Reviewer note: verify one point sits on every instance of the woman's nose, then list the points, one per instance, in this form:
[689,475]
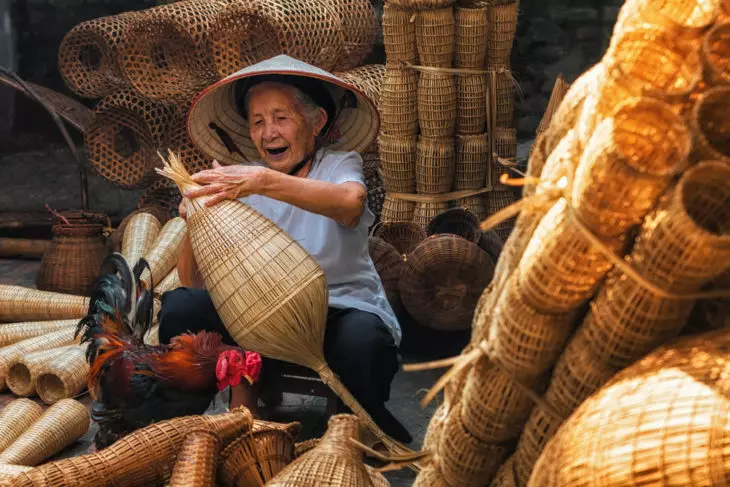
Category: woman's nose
[270,131]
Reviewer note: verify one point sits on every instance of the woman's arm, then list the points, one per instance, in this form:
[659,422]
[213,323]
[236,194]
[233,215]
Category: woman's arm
[187,269]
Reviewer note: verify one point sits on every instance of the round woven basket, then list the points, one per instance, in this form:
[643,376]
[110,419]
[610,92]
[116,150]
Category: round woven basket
[456,221]
[470,43]
[195,465]
[424,212]
[437,104]
[435,165]
[399,102]
[255,458]
[398,162]
[360,27]
[709,122]
[471,161]
[369,79]
[435,32]
[395,210]
[404,236]
[389,264]
[22,373]
[87,56]
[442,281]
[471,103]
[399,34]
[716,52]
[502,21]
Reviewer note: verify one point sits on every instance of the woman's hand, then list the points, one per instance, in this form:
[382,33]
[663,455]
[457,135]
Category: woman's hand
[228,182]
[182,208]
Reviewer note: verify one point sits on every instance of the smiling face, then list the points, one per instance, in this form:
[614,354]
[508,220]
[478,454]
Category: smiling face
[279,127]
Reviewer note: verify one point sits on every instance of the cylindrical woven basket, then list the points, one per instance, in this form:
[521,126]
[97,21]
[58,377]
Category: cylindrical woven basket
[87,56]
[476,204]
[11,333]
[124,136]
[162,257]
[437,104]
[139,235]
[537,432]
[404,236]
[435,165]
[23,373]
[497,200]
[472,161]
[398,162]
[196,463]
[715,53]
[456,221]
[15,418]
[18,303]
[424,212]
[709,122]
[442,281]
[432,437]
[502,22]
[64,377]
[435,31]
[360,27]
[504,111]
[399,102]
[421,4]
[395,210]
[59,426]
[256,458]
[470,42]
[627,164]
[399,35]
[169,283]
[389,264]
[506,149]
[471,104]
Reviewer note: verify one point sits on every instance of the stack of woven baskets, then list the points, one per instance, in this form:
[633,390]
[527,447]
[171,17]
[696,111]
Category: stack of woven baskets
[627,227]
[446,107]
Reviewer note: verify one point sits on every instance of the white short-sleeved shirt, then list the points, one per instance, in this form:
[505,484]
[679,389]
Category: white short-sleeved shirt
[342,252]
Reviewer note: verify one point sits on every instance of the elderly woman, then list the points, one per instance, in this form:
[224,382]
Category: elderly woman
[271,123]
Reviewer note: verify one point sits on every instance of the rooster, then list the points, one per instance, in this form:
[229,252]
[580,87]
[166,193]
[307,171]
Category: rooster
[133,384]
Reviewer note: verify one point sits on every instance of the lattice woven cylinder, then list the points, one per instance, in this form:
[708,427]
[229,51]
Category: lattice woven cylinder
[435,165]
[398,162]
[424,212]
[18,303]
[64,377]
[505,140]
[360,27]
[437,104]
[87,56]
[11,333]
[421,4]
[196,463]
[683,20]
[505,108]
[470,49]
[399,102]
[15,418]
[257,457]
[540,427]
[430,476]
[435,427]
[471,161]
[179,142]
[435,31]
[23,372]
[502,22]
[505,476]
[399,35]
[163,254]
[389,265]
[368,78]
[396,210]
[709,120]
[476,204]
[139,235]
[496,201]
[716,52]
[471,104]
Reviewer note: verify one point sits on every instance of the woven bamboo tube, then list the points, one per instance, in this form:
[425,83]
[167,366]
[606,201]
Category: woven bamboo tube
[684,20]
[627,164]
[502,22]
[334,461]
[471,104]
[59,426]
[64,377]
[560,88]
[496,201]
[471,161]
[87,56]
[399,35]
[709,123]
[435,428]
[398,162]
[140,234]
[505,90]
[436,104]
[435,165]
[165,55]
[9,472]
[115,240]
[662,421]
[388,264]
[424,212]
[255,458]
[15,418]
[506,149]
[23,373]
[18,303]
[399,102]
[716,52]
[476,204]
[458,221]
[360,27]
[121,463]
[430,476]
[435,30]
[395,210]
[195,465]
[404,236]
[169,283]
[11,333]
[162,257]
[505,476]
[537,432]
[304,446]
[470,42]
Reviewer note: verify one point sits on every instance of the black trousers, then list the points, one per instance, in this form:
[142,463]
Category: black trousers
[358,347]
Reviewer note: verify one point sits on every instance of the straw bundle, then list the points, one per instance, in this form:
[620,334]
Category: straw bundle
[398,162]
[163,255]
[87,56]
[470,42]
[121,463]
[404,236]
[471,96]
[22,373]
[59,426]
[195,465]
[456,221]
[676,396]
[502,22]
[435,30]
[169,283]
[395,210]
[709,121]
[270,294]
[389,265]
[399,35]
[716,52]
[424,212]
[15,418]
[436,104]
[19,303]
[9,472]
[435,164]
[64,377]
[471,161]
[399,102]
[140,234]
[360,26]
[255,458]
[11,333]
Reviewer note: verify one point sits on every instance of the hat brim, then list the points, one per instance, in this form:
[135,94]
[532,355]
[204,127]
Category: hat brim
[355,128]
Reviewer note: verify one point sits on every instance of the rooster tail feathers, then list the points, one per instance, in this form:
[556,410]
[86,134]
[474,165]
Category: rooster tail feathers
[144,314]
[115,290]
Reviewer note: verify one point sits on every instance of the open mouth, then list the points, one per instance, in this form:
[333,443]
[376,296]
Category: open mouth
[275,151]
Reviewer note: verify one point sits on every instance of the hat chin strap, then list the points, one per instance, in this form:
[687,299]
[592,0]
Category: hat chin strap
[303,163]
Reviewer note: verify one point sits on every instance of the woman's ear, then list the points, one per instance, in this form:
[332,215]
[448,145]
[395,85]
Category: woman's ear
[321,121]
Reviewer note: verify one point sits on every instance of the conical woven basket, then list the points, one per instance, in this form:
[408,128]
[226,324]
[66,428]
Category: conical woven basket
[456,221]
[162,257]
[19,303]
[470,43]
[404,236]
[139,235]
[399,102]
[437,104]
[23,373]
[11,333]
[398,162]
[435,34]
[15,418]
[399,35]
[255,458]
[389,264]
[471,104]
[396,210]
[195,465]
[64,377]
[709,122]
[435,164]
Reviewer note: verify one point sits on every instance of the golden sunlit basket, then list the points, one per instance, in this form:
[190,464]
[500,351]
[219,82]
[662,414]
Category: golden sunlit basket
[18,303]
[437,104]
[15,418]
[255,458]
[535,163]
[470,43]
[686,21]
[139,235]
[471,104]
[389,265]
[716,52]
[196,464]
[399,35]
[64,377]
[9,472]
[709,121]
[399,102]
[505,476]
[398,162]
[435,32]
[435,164]
[537,432]
[163,254]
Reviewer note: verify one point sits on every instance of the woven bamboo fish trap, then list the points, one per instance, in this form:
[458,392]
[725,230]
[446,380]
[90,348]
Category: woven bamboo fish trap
[506,150]
[58,426]
[87,56]
[23,373]
[708,120]
[368,79]
[389,264]
[435,33]
[165,54]
[162,257]
[442,281]
[504,109]
[399,35]
[686,21]
[502,25]
[15,418]
[115,239]
[169,283]
[255,458]
[396,210]
[674,396]
[470,42]
[399,102]
[64,377]
[456,221]
[629,161]
[18,303]
[537,432]
[11,333]
[471,105]
[472,162]
[560,88]
[435,165]
[140,233]
[122,464]
[496,201]
[195,465]
[360,27]
[9,472]
[124,136]
[333,462]
[272,297]
[715,53]
[435,427]
[404,236]
[437,104]
[398,162]
[424,211]
[430,476]
[179,141]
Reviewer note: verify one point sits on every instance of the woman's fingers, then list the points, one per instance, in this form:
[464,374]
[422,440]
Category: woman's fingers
[218,197]
[206,190]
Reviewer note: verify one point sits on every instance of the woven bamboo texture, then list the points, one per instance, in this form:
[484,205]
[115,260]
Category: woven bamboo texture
[497,200]
[635,412]
[367,78]
[502,22]
[64,377]
[476,204]
[255,458]
[716,52]
[196,463]
[435,34]
[437,104]
[435,427]
[59,426]
[685,20]
[19,303]
[397,211]
[360,27]
[472,163]
[505,140]
[505,476]
[377,478]
[535,163]
[505,91]
[435,165]
[470,42]
[334,461]
[11,333]
[139,235]
[15,418]
[23,373]
[456,221]
[122,464]
[179,142]
[560,88]
[471,104]
[398,162]
[169,283]
[442,281]
[399,102]
[9,472]
[424,212]
[430,476]
[420,4]
[162,257]
[709,122]
[404,236]
[399,35]
[161,194]
[117,236]
[389,264]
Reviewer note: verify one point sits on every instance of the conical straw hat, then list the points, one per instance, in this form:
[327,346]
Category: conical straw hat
[15,418]
[23,372]
[139,235]
[11,333]
[163,255]
[64,377]
[18,303]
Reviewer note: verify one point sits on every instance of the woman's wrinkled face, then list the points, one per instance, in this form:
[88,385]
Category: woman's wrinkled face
[282,133]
